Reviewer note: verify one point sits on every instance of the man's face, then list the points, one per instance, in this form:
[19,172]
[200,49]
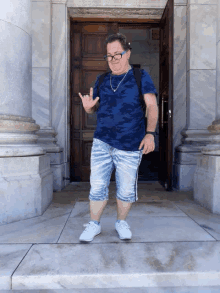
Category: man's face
[117,66]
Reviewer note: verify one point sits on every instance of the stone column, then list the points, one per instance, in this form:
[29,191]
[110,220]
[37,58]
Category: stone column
[25,176]
[201,88]
[42,87]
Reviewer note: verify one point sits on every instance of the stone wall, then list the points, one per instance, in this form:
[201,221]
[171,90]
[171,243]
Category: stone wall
[42,99]
[201,33]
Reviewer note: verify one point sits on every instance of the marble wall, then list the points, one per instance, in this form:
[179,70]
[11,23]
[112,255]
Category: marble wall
[59,78]
[42,86]
[201,31]
[179,72]
[218,65]
[41,62]
[201,63]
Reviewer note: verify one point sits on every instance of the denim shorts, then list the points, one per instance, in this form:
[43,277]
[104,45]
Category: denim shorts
[104,158]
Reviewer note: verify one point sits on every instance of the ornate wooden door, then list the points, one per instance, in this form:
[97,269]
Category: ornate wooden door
[166,97]
[87,51]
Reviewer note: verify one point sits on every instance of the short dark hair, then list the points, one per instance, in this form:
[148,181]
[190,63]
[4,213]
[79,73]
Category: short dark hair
[119,37]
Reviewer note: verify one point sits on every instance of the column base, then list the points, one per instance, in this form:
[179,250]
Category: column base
[185,165]
[57,167]
[184,177]
[186,156]
[207,180]
[47,140]
[26,187]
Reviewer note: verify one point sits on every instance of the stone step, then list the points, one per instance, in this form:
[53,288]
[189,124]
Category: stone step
[213,289]
[119,265]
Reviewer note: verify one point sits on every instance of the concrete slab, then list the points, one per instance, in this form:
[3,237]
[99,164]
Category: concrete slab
[10,257]
[148,229]
[211,289]
[151,208]
[36,230]
[173,246]
[208,221]
[115,265]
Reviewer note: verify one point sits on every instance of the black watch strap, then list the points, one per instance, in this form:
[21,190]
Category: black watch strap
[150,132]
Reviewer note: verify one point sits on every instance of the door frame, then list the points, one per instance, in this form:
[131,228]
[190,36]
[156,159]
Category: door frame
[166,90]
[136,22]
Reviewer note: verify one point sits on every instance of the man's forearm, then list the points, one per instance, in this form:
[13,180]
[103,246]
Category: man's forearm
[152,117]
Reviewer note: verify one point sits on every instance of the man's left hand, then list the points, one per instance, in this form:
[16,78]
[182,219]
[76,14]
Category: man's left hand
[148,144]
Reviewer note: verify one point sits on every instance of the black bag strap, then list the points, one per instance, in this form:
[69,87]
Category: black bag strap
[137,75]
[101,78]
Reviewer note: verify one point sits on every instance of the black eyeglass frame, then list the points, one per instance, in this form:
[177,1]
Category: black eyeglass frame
[106,56]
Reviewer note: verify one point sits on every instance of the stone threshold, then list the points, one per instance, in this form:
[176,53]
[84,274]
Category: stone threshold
[117,265]
[195,289]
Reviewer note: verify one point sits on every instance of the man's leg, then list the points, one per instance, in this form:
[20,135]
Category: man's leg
[123,208]
[127,164]
[101,169]
[96,209]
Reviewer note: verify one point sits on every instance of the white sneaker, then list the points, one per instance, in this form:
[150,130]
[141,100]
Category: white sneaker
[92,229]
[123,230]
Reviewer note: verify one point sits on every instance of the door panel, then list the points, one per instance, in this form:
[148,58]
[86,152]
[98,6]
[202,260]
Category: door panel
[166,97]
[87,51]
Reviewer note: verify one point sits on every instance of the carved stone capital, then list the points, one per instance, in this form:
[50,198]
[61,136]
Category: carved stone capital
[18,136]
[16,126]
[215,127]
[102,12]
[199,137]
[212,150]
[59,1]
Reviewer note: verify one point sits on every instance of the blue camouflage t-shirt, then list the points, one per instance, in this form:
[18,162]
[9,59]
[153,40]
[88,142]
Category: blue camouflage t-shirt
[120,118]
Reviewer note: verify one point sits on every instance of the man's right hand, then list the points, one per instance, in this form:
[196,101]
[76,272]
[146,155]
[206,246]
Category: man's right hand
[87,100]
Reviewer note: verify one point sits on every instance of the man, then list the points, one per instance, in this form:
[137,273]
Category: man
[119,137]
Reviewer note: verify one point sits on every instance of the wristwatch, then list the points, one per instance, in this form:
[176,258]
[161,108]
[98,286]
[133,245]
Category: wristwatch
[150,132]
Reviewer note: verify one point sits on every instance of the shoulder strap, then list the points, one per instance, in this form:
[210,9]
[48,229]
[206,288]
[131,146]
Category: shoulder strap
[137,75]
[101,78]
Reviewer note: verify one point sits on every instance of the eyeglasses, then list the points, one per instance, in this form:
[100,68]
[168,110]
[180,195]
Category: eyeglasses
[117,56]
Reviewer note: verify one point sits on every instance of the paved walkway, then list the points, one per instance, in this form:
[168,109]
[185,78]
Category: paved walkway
[175,246]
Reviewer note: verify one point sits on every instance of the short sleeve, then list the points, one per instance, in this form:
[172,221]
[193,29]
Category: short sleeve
[147,85]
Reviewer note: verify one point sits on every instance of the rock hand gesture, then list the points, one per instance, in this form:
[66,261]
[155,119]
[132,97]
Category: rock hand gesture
[88,102]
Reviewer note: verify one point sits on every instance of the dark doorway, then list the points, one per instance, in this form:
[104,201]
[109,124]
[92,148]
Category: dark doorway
[87,62]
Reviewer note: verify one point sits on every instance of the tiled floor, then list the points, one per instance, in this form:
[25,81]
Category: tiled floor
[174,241]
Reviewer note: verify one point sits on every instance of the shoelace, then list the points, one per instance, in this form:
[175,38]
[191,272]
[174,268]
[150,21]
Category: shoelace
[124,224]
[87,225]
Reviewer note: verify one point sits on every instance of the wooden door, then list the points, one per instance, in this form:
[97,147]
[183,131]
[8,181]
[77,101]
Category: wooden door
[87,51]
[166,97]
